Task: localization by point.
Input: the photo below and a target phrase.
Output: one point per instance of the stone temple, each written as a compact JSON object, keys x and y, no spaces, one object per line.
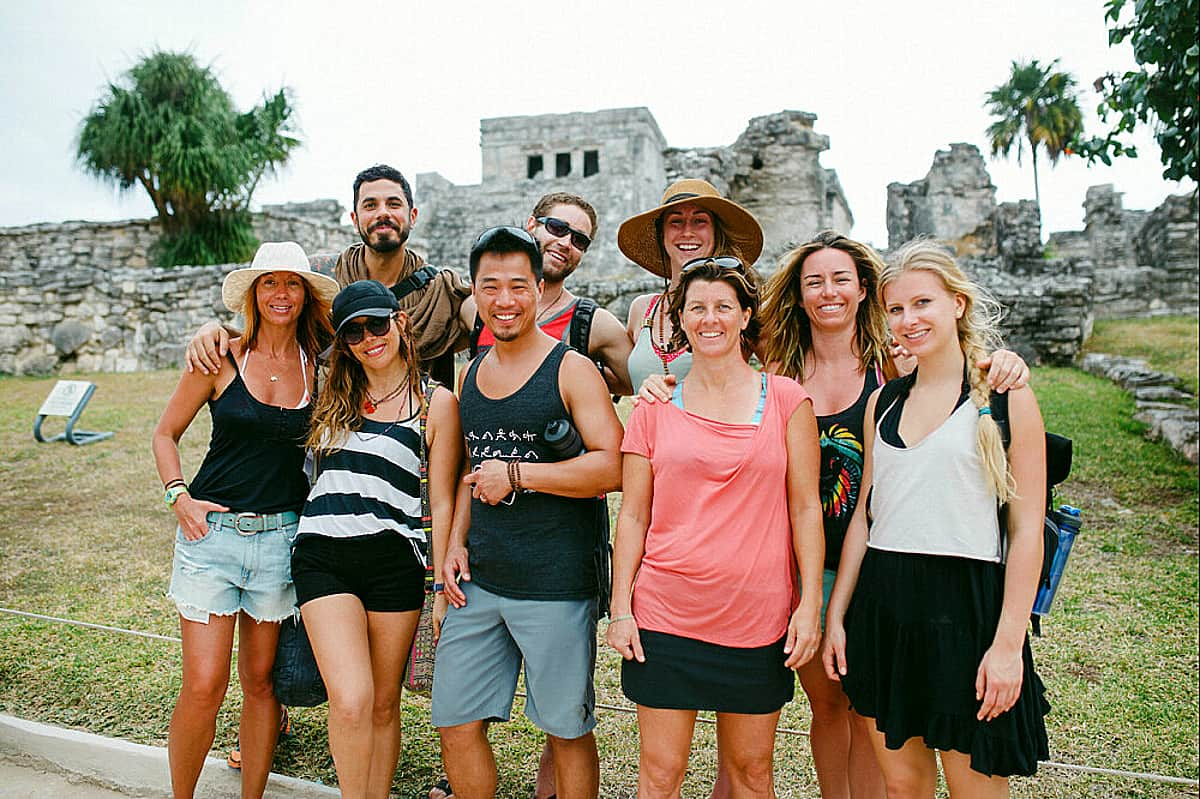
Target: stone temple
{"x":618,"y":160}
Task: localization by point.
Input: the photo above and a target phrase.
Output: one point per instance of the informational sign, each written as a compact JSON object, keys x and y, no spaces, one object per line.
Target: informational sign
{"x":68,"y":398}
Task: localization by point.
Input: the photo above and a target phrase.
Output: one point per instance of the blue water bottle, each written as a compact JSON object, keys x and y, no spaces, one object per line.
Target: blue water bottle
{"x":1069,"y":521}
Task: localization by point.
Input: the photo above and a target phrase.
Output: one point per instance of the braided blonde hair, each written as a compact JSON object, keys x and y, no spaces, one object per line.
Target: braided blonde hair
{"x":978,"y":336}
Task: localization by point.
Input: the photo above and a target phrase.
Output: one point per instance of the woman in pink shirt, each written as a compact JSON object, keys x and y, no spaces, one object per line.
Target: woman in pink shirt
{"x":720,"y":506}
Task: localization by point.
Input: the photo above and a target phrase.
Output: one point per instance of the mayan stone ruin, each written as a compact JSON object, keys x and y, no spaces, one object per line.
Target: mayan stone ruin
{"x":84,"y":296}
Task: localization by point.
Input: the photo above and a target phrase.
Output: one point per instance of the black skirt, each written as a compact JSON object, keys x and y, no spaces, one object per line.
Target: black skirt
{"x":685,"y":674}
{"x":916,"y":630}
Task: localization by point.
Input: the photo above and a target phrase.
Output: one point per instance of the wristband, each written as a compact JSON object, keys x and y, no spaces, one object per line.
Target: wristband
{"x":439,"y":588}
{"x":178,"y":481}
{"x":173,"y":494}
{"x":615,"y":619}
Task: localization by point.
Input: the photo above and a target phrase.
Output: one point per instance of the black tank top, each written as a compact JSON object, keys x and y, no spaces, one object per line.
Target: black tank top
{"x":540,"y":546}
{"x":255,"y":459}
{"x":841,"y":436}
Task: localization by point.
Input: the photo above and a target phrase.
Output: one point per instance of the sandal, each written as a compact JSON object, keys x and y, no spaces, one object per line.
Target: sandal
{"x":234,"y":760}
{"x":441,"y":790}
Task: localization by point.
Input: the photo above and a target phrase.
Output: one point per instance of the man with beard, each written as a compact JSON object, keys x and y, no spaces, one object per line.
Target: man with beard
{"x":564,"y":226}
{"x":383,"y":215}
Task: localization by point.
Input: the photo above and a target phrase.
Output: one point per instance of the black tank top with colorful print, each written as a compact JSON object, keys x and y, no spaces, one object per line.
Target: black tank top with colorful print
{"x":841,"y":436}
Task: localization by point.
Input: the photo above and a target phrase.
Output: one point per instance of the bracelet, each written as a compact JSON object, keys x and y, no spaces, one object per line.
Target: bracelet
{"x":439,"y":588}
{"x":512,"y":480}
{"x":615,"y":619}
{"x":517,"y":471}
{"x":178,"y":481}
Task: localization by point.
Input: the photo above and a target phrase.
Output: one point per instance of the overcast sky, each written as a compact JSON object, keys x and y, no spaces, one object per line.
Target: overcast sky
{"x":407,"y":83}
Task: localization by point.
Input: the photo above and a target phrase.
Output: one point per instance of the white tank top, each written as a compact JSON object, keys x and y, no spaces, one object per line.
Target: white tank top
{"x":934,"y":498}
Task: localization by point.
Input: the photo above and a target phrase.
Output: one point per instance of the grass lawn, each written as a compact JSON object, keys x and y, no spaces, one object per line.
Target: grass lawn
{"x":1168,"y":343}
{"x":83,"y":535}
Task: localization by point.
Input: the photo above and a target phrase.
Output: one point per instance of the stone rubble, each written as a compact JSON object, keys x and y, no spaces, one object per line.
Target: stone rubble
{"x":1159,"y":400}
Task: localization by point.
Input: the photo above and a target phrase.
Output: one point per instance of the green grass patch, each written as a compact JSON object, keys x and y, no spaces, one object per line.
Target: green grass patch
{"x":1167,"y":343}
{"x":84,"y":535}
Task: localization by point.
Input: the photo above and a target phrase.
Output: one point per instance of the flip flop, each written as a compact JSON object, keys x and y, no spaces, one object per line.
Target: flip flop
{"x":441,"y":790}
{"x":234,"y":760}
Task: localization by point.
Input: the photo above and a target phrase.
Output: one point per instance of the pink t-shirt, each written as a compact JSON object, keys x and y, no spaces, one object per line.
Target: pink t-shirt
{"x":718,"y":565}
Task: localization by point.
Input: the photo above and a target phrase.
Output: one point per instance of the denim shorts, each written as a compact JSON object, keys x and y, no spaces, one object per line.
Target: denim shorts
{"x":226,"y":571}
{"x":480,"y":652}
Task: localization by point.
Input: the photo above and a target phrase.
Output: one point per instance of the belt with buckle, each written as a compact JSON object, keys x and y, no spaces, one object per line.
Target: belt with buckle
{"x":252,"y":523}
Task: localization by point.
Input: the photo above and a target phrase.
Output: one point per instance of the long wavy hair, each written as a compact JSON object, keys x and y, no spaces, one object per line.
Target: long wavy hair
{"x":787,"y":330}
{"x":978,"y":336}
{"x":313,"y":330}
{"x":339,"y":409}
{"x":744,"y":283}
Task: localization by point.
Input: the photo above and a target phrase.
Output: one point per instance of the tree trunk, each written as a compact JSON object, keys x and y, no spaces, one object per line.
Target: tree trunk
{"x":1037,"y":194}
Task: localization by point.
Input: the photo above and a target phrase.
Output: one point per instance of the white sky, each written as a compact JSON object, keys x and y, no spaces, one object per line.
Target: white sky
{"x":407,"y":83}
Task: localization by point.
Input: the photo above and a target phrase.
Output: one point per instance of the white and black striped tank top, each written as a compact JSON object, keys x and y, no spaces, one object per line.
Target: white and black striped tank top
{"x":370,"y":486}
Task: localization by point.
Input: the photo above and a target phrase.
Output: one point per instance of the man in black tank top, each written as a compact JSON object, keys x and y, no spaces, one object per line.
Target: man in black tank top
{"x":518,"y":568}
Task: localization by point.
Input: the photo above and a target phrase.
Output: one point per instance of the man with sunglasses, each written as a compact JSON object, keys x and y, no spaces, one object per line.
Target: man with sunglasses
{"x":519,"y":568}
{"x":564,"y":225}
{"x":383,"y":216}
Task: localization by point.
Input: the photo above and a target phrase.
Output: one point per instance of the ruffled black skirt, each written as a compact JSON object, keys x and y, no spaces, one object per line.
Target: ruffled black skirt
{"x":916,"y":630}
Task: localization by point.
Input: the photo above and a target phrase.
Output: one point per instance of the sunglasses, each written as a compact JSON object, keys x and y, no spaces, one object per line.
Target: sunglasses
{"x":720,"y":261}
{"x":486,"y":236}
{"x":559,"y":228}
{"x":355,"y":332}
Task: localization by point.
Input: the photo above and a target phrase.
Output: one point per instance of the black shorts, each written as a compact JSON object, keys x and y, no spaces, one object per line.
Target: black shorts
{"x":383,"y":571}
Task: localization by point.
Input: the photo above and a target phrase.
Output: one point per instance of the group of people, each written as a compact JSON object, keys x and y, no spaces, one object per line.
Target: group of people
{"x":746,"y":549}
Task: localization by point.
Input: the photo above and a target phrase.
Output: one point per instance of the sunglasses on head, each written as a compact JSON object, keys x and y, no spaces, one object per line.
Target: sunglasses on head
{"x":486,"y":236}
{"x":355,"y":332}
{"x":720,"y":261}
{"x":559,"y":228}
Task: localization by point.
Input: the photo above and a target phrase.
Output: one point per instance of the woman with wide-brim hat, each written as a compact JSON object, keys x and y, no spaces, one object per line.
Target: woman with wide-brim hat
{"x":238,"y":516}
{"x":692,"y":221}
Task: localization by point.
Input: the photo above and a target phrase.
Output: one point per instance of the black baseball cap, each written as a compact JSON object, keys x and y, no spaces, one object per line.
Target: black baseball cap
{"x":362,"y":298}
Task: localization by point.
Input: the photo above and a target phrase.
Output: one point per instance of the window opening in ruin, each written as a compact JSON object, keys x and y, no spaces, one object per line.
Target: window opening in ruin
{"x":591,"y":162}
{"x":534,"y":166}
{"x":562,"y":165}
{"x":757,"y":163}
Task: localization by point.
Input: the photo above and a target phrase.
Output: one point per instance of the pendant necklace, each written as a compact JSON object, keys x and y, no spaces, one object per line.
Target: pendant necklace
{"x":551,"y":305}
{"x":370,"y":404}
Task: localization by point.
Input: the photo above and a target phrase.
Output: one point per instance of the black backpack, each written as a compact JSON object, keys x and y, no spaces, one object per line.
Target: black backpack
{"x":578,"y":334}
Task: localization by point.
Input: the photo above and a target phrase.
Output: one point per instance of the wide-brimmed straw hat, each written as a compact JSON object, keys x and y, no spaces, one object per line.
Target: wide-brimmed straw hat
{"x":275,"y":256}
{"x":638,"y":236}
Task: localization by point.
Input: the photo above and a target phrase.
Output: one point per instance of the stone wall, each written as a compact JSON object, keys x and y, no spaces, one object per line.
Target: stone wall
{"x":955,"y":202}
{"x":773,"y":168}
{"x":79,"y":296}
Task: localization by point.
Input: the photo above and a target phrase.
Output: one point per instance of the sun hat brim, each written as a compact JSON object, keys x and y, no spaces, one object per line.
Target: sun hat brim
{"x":275,"y":256}
{"x":637,"y":236}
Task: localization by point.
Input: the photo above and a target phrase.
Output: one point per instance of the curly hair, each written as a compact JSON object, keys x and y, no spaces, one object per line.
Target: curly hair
{"x":744,"y":282}
{"x":978,"y":336}
{"x":339,"y":408}
{"x":787,"y":329}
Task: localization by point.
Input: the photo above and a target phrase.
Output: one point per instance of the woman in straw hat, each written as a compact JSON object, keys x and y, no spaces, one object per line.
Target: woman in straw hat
{"x":385,"y":441}
{"x":692,"y":221}
{"x":713,"y":621}
{"x":237,"y":518}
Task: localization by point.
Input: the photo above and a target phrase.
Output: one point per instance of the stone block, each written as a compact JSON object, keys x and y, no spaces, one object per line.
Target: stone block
{"x":69,"y":335}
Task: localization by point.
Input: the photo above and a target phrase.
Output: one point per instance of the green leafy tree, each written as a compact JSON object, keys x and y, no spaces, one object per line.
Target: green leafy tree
{"x":168,"y":126}
{"x":1163,"y":93}
{"x":1036,"y":106}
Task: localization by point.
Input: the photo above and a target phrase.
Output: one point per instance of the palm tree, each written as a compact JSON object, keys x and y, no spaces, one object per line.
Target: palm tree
{"x":1037,"y":105}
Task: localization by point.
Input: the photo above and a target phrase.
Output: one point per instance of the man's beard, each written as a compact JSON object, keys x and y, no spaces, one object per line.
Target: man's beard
{"x":385,"y":245}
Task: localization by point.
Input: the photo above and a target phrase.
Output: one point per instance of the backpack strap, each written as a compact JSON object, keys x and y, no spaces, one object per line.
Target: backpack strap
{"x":581,"y":325}
{"x":476,"y":332}
{"x":998,"y":403}
{"x":415,"y":282}
{"x":429,"y":386}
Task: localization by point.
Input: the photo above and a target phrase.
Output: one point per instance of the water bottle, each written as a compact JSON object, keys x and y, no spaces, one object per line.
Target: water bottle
{"x":1069,"y":521}
{"x":563,"y":439}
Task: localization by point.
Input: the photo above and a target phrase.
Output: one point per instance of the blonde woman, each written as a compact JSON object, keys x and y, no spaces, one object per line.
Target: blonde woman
{"x":237,"y":518}
{"x":360,"y":556}
{"x":926,"y":625}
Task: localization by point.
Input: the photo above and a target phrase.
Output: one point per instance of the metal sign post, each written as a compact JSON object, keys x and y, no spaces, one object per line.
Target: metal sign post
{"x":68,"y":398}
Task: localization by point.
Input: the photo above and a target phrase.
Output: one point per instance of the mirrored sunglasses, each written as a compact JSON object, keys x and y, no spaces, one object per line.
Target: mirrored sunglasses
{"x":559,"y":228}
{"x":355,"y":332}
{"x":720,"y":261}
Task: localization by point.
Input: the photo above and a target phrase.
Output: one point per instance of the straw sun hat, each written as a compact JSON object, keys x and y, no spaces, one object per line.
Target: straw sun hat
{"x":275,"y":256}
{"x":638,"y":236}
